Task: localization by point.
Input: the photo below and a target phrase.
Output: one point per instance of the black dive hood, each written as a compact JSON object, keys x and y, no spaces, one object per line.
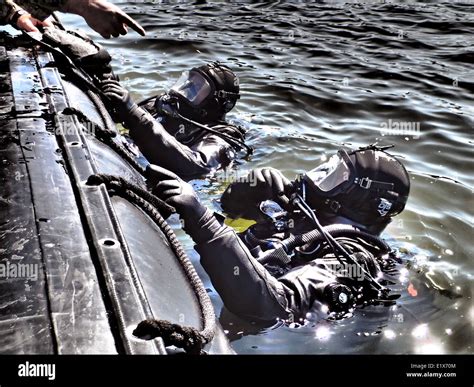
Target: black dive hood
{"x":204,"y":94}
{"x":367,"y":187}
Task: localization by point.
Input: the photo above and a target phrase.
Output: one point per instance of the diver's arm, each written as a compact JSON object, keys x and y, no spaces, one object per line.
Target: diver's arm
{"x":163,"y":149}
{"x":215,"y":152}
{"x":156,"y":144}
{"x":244,"y":285}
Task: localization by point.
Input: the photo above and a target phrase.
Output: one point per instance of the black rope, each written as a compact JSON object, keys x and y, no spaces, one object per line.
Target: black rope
{"x":120,"y":185}
{"x":104,"y":113}
{"x":86,"y":84}
{"x":188,"y":338}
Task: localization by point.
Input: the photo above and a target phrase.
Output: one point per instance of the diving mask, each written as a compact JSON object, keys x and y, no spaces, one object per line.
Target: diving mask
{"x":333,"y":176}
{"x":193,"y":87}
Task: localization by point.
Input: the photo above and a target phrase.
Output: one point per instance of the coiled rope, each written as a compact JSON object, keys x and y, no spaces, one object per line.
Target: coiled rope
{"x":187,"y":338}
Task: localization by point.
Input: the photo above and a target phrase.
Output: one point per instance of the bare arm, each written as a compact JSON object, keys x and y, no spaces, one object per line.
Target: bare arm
{"x":104,"y":17}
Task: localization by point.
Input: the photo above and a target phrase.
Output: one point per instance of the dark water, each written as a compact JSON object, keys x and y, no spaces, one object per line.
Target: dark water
{"x":313,"y":78}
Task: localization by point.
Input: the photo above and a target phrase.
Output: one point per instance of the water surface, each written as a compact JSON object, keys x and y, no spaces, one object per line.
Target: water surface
{"x":314,"y":78}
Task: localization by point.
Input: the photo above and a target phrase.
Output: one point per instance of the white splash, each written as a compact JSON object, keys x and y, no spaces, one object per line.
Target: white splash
{"x":389,"y":334}
{"x":323,"y":333}
{"x":421,"y":331}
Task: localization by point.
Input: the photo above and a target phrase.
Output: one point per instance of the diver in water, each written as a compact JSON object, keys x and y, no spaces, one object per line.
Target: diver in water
{"x":315,"y":241}
{"x":184,"y":130}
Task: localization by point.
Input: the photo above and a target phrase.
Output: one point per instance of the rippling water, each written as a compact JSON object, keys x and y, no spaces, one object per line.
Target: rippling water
{"x":313,"y":78}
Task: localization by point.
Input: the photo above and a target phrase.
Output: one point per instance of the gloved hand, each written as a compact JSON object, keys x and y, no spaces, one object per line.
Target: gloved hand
{"x":119,"y":98}
{"x":271,"y":182}
{"x":176,"y":192}
{"x":245,"y":195}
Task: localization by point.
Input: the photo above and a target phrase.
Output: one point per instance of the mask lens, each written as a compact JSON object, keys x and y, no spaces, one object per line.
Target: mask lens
{"x":330,"y":175}
{"x":193,"y":87}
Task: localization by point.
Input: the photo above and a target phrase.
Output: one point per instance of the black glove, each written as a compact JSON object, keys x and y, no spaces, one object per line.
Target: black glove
{"x":119,"y":98}
{"x":177,"y":193}
{"x":245,"y":195}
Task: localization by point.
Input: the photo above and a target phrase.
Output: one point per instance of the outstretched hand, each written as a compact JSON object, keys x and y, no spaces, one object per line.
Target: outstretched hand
{"x":105,"y":18}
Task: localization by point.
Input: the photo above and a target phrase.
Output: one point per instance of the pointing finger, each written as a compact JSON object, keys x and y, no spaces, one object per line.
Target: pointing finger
{"x":125,"y":19}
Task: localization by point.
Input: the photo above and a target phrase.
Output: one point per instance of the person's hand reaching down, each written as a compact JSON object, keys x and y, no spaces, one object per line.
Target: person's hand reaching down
{"x":105,"y":18}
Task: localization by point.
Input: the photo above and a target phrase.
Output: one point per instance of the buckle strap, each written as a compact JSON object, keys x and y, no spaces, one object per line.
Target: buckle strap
{"x":226,"y":94}
{"x":373,"y":185}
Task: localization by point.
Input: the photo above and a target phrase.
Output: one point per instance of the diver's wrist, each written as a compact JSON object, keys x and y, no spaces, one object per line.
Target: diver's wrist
{"x":192,"y":214}
{"x":131,"y":115}
{"x":139,"y":119}
{"x":202,"y":226}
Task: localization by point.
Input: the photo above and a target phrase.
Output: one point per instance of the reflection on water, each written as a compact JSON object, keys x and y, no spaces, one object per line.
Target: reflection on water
{"x":315,"y":77}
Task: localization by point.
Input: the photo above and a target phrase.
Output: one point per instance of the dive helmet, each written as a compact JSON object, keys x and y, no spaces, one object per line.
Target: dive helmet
{"x":206,"y":93}
{"x":367,"y":186}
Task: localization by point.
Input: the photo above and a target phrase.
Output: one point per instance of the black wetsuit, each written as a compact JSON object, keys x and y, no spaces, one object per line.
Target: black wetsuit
{"x":181,"y":147}
{"x":252,"y":290}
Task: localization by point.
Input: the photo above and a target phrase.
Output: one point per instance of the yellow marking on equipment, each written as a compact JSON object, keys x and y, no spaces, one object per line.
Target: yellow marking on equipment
{"x":239,"y":225}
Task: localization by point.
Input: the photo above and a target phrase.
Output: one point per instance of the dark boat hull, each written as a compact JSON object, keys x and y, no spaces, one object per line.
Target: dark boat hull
{"x":102,"y":265}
